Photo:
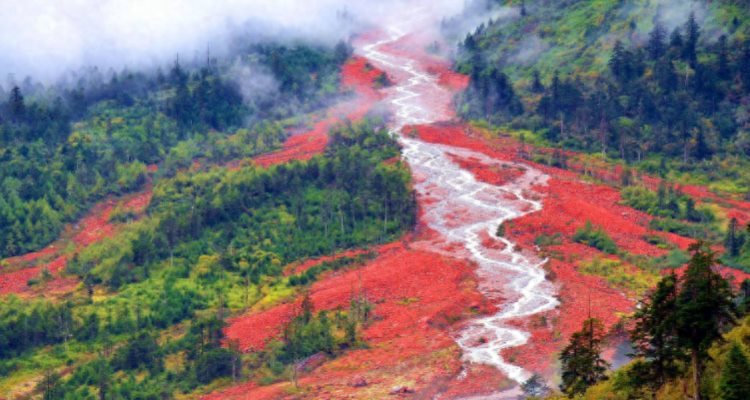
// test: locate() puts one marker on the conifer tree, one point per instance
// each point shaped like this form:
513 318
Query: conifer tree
734 240
692 33
656 41
735 375
16 104
704 307
582 364
654 335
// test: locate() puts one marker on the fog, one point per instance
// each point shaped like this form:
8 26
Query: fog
43 38
674 13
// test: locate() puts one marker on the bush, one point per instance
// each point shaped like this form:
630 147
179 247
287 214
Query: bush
214 363
140 352
678 227
595 237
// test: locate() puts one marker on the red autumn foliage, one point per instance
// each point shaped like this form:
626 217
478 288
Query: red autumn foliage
357 75
298 268
17 281
300 147
92 228
417 295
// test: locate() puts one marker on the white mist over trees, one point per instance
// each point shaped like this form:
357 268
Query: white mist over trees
43 38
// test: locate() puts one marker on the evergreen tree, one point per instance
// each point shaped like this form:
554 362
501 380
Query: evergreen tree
536 85
675 39
665 75
50 386
734 239
535 386
723 71
692 33
704 307
342 52
656 37
735 375
654 336
701 151
744 66
17 107
744 297
617 63
582 364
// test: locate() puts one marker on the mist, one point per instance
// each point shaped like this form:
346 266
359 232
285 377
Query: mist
44 38
674 13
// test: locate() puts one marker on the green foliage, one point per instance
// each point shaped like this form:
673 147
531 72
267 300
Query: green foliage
604 76
654 335
618 275
24 326
582 364
311 274
595 237
667 202
490 95
735 376
58 157
309 334
704 306
674 259
215 363
500 232
545 240
140 352
216 238
686 229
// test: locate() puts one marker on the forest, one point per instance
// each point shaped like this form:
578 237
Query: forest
627 85
66 147
213 244
669 101
213 241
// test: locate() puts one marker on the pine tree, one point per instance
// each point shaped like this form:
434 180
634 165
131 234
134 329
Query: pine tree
654 336
692 33
617 61
535 386
722 59
734 240
656 37
744 66
582 364
16 104
536 85
735 375
50 386
675 39
704 307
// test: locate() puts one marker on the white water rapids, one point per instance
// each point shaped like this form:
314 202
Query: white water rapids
465 211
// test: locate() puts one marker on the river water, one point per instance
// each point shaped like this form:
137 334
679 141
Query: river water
465 211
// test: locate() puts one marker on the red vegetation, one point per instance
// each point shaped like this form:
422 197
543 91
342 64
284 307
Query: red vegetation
417 296
33 256
568 203
298 268
95 226
17 281
92 228
357 75
488 173
734 276
300 147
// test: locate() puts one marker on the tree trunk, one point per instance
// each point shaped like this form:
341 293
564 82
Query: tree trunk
696 375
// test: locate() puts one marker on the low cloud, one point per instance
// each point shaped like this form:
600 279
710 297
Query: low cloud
43 38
